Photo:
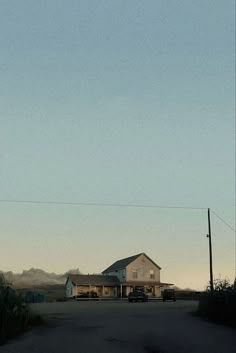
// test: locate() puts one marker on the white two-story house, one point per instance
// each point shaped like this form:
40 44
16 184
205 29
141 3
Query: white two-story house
137 272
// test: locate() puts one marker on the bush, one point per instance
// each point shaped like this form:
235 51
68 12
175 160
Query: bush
15 314
220 305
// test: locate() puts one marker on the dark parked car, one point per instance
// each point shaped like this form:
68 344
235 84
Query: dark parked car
169 294
137 296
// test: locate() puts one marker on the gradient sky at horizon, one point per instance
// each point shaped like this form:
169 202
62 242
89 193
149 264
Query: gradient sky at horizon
117 102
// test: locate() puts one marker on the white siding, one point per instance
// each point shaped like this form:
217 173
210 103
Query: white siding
121 274
158 292
69 289
143 267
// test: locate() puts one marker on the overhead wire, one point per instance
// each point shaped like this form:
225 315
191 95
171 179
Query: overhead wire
226 223
100 204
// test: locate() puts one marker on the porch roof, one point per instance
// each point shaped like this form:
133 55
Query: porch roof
146 283
94 280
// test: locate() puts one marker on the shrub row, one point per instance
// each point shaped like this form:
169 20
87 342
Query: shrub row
220 305
15 315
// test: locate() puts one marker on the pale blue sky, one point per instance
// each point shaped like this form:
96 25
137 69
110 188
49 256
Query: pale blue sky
117 101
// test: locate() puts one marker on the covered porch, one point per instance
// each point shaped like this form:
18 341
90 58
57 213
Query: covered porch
100 290
152 289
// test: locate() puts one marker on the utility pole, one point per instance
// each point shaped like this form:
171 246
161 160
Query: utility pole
210 250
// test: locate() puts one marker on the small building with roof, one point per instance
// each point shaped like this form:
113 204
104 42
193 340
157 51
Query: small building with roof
102 285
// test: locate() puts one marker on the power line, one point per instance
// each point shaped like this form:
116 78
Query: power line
99 204
227 224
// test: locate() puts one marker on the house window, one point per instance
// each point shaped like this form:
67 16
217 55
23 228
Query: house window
123 273
152 274
135 274
106 291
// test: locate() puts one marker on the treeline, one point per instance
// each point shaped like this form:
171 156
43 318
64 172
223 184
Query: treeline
35 277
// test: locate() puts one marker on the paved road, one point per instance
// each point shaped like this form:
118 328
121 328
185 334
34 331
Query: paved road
121 327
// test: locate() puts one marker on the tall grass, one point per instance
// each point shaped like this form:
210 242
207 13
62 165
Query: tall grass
220 305
15 315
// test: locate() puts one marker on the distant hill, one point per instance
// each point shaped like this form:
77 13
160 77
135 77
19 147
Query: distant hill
36 277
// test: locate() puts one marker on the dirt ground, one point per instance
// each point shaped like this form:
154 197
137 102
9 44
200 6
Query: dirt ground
122 327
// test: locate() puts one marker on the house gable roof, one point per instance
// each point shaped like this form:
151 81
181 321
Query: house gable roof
93 280
118 265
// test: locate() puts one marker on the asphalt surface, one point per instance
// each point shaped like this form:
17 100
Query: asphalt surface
122 327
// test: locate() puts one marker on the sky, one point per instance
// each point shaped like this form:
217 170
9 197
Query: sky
117 102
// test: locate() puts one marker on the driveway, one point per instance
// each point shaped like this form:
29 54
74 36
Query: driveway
122 327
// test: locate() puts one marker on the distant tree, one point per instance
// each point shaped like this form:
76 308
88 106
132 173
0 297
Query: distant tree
221 285
75 271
